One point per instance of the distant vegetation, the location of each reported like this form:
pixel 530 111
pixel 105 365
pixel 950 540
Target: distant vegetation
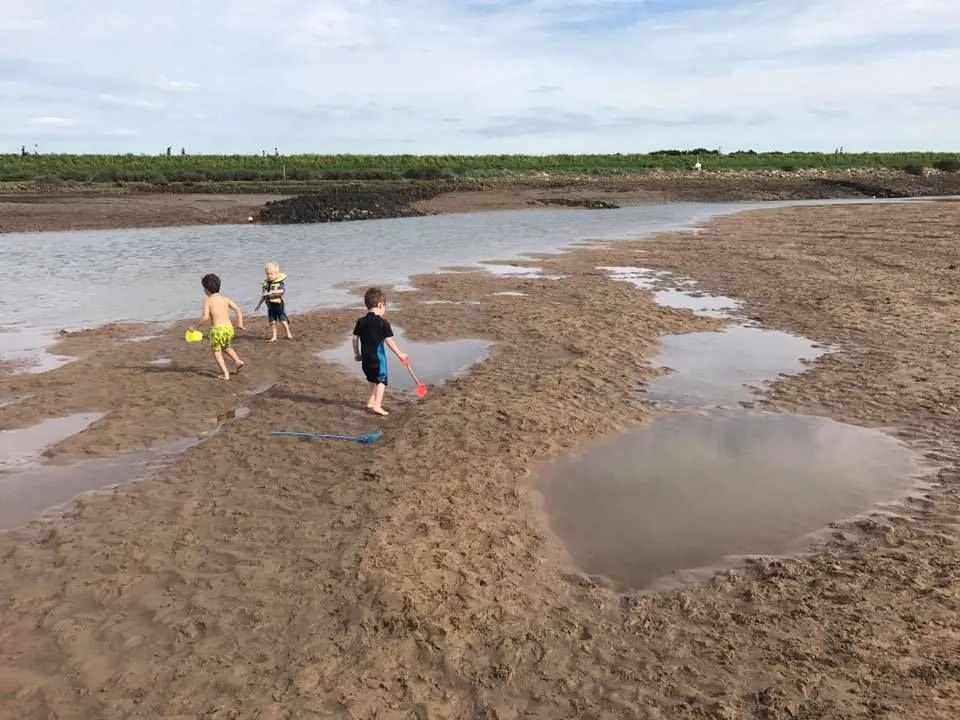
pixel 164 169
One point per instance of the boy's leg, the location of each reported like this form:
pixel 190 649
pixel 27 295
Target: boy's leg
pixel 218 356
pixel 378 399
pixel 372 400
pixel 286 326
pixel 273 331
pixel 236 358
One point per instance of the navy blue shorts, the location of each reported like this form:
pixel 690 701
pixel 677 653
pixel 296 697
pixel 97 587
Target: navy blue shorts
pixel 375 372
pixel 276 312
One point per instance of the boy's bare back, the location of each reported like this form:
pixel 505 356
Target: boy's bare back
pixel 218 307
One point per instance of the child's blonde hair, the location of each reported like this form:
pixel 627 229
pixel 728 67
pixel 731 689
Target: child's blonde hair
pixel 272 267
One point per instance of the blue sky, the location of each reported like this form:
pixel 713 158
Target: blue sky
pixel 478 76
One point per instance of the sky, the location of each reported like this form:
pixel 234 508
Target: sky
pixel 478 76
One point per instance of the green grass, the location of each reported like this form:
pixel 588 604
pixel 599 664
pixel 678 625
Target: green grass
pixel 160 169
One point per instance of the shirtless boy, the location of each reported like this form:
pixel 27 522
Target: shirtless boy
pixel 216 309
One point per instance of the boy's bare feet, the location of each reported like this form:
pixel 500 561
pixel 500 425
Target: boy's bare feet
pixel 378 410
pixel 223 377
pixel 272 340
pixel 239 367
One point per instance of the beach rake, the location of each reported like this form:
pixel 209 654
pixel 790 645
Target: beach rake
pixel 364 438
pixel 421 388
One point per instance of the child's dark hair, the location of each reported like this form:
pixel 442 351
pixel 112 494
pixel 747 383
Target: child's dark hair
pixel 211 283
pixel 373 297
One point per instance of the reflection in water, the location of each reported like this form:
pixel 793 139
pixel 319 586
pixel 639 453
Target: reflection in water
pixel 70 273
pixel 25 495
pixel 23 446
pixel 712 368
pixel 27 347
pixel 433 362
pixel 719 306
pixel 689 490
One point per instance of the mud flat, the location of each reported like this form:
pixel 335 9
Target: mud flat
pixel 419 576
pixel 28 208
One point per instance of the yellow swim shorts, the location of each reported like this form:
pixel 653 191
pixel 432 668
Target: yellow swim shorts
pixel 220 337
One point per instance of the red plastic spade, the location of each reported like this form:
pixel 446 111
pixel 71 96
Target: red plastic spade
pixel 421 388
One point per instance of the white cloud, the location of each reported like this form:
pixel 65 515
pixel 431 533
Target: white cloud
pixel 485 75
pixel 125 102
pixel 52 121
pixel 175 85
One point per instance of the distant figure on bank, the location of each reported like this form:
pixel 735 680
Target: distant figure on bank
pixel 216 309
pixel 371 333
pixel 274 291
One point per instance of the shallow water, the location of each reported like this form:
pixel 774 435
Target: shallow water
pixel 433 362
pixel 23 447
pixel 42 489
pixel 30 487
pixel 82 279
pixel 26 347
pixel 719 306
pixel 690 491
pixel 723 368
pixel 711 481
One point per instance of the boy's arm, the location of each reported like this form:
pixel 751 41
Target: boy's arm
pixel 356 342
pixel 396 351
pixel 236 308
pixel 205 313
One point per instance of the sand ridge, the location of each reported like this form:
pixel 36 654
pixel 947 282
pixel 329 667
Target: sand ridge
pixel 416 578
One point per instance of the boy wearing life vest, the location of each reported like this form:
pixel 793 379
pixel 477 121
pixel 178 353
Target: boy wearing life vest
pixel 274 290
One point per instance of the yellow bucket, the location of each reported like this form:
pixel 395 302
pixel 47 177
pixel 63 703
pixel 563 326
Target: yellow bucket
pixel 192 336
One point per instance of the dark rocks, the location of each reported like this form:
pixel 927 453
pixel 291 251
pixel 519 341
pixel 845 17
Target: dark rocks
pixel 868 189
pixel 341 203
pixel 576 202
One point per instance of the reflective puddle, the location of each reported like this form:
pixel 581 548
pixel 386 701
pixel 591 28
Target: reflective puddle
pixel 27 350
pixel 719 306
pixel 710 482
pixel 45 489
pixel 24 446
pixel 724 368
pixel 691 491
pixel 31 488
pixel 433 362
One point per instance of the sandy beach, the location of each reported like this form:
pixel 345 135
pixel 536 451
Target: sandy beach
pixel 418 577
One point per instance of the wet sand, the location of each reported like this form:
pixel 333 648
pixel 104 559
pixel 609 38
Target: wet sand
pixel 262 577
pixel 105 207
pixel 31 212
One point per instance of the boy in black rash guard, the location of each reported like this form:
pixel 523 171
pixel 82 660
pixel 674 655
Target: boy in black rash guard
pixel 371 333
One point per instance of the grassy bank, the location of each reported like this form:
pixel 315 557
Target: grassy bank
pixel 158 170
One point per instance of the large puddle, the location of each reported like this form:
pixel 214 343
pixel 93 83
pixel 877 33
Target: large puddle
pixel 433 362
pixel 23 447
pixel 682 296
pixel 693 491
pixel 709 482
pixel 724 367
pixel 32 488
pixel 45 489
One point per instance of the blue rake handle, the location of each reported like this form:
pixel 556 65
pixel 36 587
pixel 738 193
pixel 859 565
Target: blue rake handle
pixel 364 438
